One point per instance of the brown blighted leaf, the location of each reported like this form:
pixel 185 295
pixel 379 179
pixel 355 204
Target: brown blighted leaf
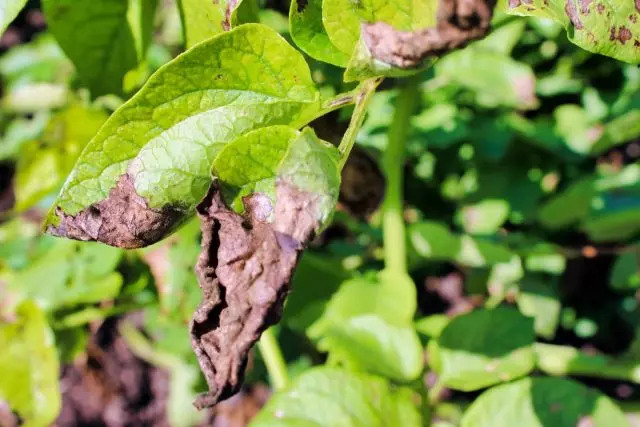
pixel 458 22
pixel 244 271
pixel 363 184
pixel 124 219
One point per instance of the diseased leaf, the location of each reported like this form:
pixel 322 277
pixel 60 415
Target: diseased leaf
pixel 247 261
pixel 9 9
pixel 542 402
pixel 150 164
pixel 331 397
pixel 308 32
pixel 29 366
pixel 607 27
pixel 44 165
pixel 483 348
pixel 202 19
pixel 369 343
pixel 103 38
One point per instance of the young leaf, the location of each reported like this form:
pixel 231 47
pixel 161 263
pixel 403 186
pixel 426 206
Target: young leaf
pixel 369 343
pixel 150 164
pixel 104 38
pixel 202 19
pixel 29 365
pixel 43 166
pixel 332 397
pixel 9 9
pixel 541 402
pixel 484 348
pixel 605 27
pixel 308 32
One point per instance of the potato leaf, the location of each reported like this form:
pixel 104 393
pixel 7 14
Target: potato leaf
pixel 104 39
pixel 604 26
pixel 150 164
pixel 29 365
pixel 9 9
pixel 327 397
pixel 539 402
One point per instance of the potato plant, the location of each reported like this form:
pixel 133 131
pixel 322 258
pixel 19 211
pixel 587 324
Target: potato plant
pixel 402 203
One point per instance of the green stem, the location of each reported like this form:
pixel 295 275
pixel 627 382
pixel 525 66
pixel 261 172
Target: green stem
pixel 563 360
pixel 273 359
pixel 362 99
pixel 395 254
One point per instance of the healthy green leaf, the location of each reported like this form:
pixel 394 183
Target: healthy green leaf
pixel 316 279
pixel 9 9
pixel 542 402
pixel 618 131
pixel 104 38
pixel 331 397
pixel 44 165
pixel 308 32
pixel 368 343
pixel 485 217
pixel 29 365
pixel 483 348
pixel 625 275
pixel 607 27
pixel 541 301
pixel 69 273
pixel 164 140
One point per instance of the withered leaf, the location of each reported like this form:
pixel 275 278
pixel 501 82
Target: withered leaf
pixel 244 271
pixel 248 259
pixel 458 23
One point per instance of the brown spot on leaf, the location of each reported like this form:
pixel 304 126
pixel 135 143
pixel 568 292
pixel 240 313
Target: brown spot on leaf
pixel 302 5
pixel 584 6
pixel 572 12
pixel 636 43
pixel 123 219
pixel 601 8
pixel 624 35
pixel 637 3
pixel 514 3
pixel 458 23
pixel 244 271
pixel 612 33
pixel 228 12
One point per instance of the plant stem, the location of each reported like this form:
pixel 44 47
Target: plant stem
pixel 395 256
pixel 362 98
pixel 273 359
pixel 563 360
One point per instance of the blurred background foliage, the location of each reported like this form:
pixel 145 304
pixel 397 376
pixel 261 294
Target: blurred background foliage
pixel 522 192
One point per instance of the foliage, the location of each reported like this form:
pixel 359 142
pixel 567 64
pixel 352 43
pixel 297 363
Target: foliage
pixel 503 258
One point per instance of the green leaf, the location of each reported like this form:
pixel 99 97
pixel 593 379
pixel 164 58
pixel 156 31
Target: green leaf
pixel 368 343
pixel 9 9
pixel 483 348
pixel 44 165
pixel 542 402
pixel 166 137
pixel 484 217
pixel 390 296
pixel 104 38
pixel 618 131
pixel 606 27
pixel 568 207
pixel 495 79
pixel 308 32
pixel 316 279
pixel 541 301
pixel 625 275
pixel 331 397
pixel 203 19
pixel 29 365
pixel 69 273
pixel 576 128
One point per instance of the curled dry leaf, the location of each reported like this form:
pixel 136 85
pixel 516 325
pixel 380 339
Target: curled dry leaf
pixel 458 22
pixel 244 271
